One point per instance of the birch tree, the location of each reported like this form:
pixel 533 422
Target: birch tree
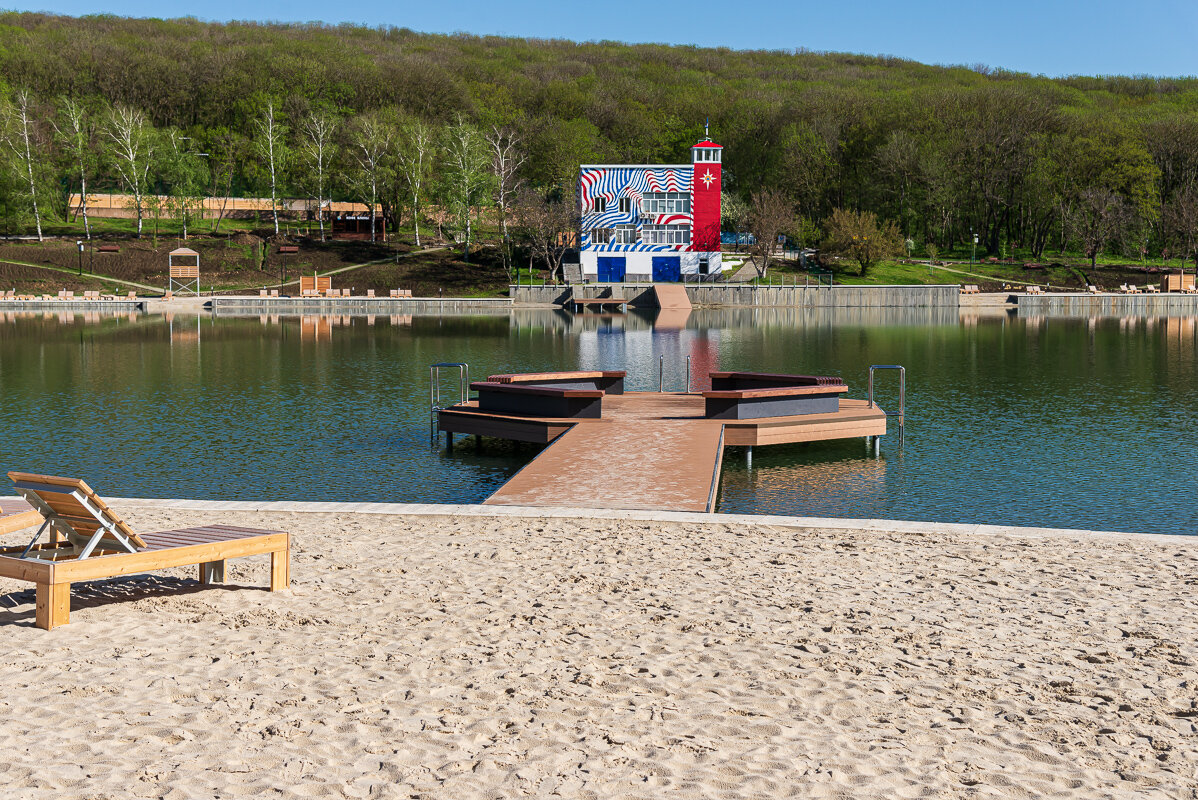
pixel 130 139
pixel 467 174
pixel 318 130
pixel 21 140
pixel 416 153
pixel 506 160
pixel 270 144
pixel 184 175
pixel 75 130
pixel 372 141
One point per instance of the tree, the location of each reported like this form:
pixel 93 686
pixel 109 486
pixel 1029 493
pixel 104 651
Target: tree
pixel 184 175
pixel 270 145
pixel 467 175
pixel 545 223
pixel 734 212
pixel 1181 221
pixel 506 159
pixel 1098 217
pixel 858 235
pixel 130 138
pixel 372 144
pixel 319 148
pixel 22 139
pixel 226 150
pixel 770 214
pixel 75 130
pixel 417 152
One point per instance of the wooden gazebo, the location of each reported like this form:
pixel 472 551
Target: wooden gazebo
pixel 184 266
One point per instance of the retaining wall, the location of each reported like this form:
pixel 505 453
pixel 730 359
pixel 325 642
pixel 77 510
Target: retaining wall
pixel 234 306
pixel 749 295
pixel 1097 305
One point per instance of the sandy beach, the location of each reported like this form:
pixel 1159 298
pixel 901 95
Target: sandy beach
pixel 475 657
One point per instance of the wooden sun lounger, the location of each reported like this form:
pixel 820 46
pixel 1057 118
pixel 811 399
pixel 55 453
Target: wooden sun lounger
pixel 89 541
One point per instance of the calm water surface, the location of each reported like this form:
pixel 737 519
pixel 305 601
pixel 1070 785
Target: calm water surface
pixel 1058 422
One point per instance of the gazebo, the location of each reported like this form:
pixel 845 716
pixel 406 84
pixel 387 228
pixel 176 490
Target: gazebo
pixel 184 265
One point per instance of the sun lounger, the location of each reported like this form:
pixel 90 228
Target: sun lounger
pixel 1093 289
pixel 370 293
pixel 89 541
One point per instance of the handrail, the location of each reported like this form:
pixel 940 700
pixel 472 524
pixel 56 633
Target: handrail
pixel 434 390
pixel 902 412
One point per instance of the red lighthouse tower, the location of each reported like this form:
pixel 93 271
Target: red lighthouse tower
pixel 705 196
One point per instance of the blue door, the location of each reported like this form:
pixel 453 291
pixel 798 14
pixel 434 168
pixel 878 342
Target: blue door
pixel 611 270
pixel 667 269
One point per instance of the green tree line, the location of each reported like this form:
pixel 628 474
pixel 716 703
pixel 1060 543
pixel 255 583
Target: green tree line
pixel 1088 164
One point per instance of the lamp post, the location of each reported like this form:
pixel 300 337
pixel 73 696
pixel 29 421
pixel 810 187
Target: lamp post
pixel 973 255
pixel 79 244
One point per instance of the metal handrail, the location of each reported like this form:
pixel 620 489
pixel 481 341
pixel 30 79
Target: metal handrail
pixel 434 390
pixel 902 412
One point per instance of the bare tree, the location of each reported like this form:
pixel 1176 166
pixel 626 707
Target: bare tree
pixel 546 225
pixel 131 140
pixel 1181 220
pixel 21 139
pixel 76 132
pixel 860 236
pixel 770 214
pixel 318 129
pixel 372 140
pixel 416 154
pixel 270 143
pixel 506 160
pixel 1098 217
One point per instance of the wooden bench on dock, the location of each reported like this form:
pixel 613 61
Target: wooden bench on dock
pixel 573 395
pixel 753 395
pixel 89 541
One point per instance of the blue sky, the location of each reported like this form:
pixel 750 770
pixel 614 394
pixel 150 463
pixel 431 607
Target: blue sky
pixel 1152 37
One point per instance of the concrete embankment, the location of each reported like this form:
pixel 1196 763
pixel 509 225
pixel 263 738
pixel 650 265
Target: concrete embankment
pixel 1098 305
pixel 749 295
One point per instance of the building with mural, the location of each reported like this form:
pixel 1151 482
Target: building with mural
pixel 651 222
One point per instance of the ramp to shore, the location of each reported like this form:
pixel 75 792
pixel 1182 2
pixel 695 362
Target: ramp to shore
pixel 671 295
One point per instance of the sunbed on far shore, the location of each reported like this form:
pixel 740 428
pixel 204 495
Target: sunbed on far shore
pixel 87 540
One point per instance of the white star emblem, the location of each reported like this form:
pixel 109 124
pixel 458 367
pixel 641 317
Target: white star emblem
pixel 707 178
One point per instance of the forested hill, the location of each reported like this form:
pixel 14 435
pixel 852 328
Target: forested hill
pixel 940 150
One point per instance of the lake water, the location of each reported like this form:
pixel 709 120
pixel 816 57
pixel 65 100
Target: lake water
pixel 1059 422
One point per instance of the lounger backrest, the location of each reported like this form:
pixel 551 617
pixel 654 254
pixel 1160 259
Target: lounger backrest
pixel 73 509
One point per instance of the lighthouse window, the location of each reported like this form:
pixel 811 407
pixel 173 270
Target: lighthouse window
pixel 667 202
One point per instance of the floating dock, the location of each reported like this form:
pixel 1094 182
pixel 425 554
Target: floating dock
pixel 647 450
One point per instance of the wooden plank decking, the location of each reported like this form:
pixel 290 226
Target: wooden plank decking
pixel 649 450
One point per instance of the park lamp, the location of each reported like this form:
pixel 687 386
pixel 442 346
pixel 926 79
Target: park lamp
pixel 79 244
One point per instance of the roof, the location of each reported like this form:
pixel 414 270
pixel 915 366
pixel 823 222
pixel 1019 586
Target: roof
pixel 707 143
pixel 183 251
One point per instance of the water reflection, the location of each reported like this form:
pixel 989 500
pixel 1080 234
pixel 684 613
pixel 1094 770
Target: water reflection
pixel 1045 419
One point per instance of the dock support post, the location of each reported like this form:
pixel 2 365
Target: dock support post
pixel 877 446
pixel 749 457
pixel 448 441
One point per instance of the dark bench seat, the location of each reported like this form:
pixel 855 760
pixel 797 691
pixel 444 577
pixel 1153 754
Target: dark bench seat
pixel 607 381
pixel 753 395
pixel 539 401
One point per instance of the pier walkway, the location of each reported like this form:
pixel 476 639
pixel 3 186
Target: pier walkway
pixel 648 450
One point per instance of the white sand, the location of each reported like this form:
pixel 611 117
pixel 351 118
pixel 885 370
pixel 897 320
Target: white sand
pixel 487 658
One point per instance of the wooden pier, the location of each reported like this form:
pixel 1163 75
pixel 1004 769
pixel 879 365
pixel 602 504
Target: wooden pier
pixel 646 450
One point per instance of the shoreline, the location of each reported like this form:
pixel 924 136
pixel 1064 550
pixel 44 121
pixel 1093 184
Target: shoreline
pixel 565 512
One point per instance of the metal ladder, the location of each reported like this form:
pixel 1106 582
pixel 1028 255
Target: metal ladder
pixel 902 412
pixel 434 393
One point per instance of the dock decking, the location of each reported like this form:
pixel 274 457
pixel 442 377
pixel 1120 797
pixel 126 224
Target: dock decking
pixel 648 450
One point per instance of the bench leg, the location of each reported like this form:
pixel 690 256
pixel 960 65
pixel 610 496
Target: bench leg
pixel 280 569
pixel 53 605
pixel 212 572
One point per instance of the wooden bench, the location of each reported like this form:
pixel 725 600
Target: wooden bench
pixel 288 249
pixel 969 288
pixel 108 248
pixel 401 292
pixel 753 395
pixel 538 401
pixel 89 541
pixel 606 381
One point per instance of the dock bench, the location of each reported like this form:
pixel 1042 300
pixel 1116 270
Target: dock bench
pixel 539 401
pixel 753 395
pixel 606 381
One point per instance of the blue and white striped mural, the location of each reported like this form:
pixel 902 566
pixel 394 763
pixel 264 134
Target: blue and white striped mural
pixel 612 183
